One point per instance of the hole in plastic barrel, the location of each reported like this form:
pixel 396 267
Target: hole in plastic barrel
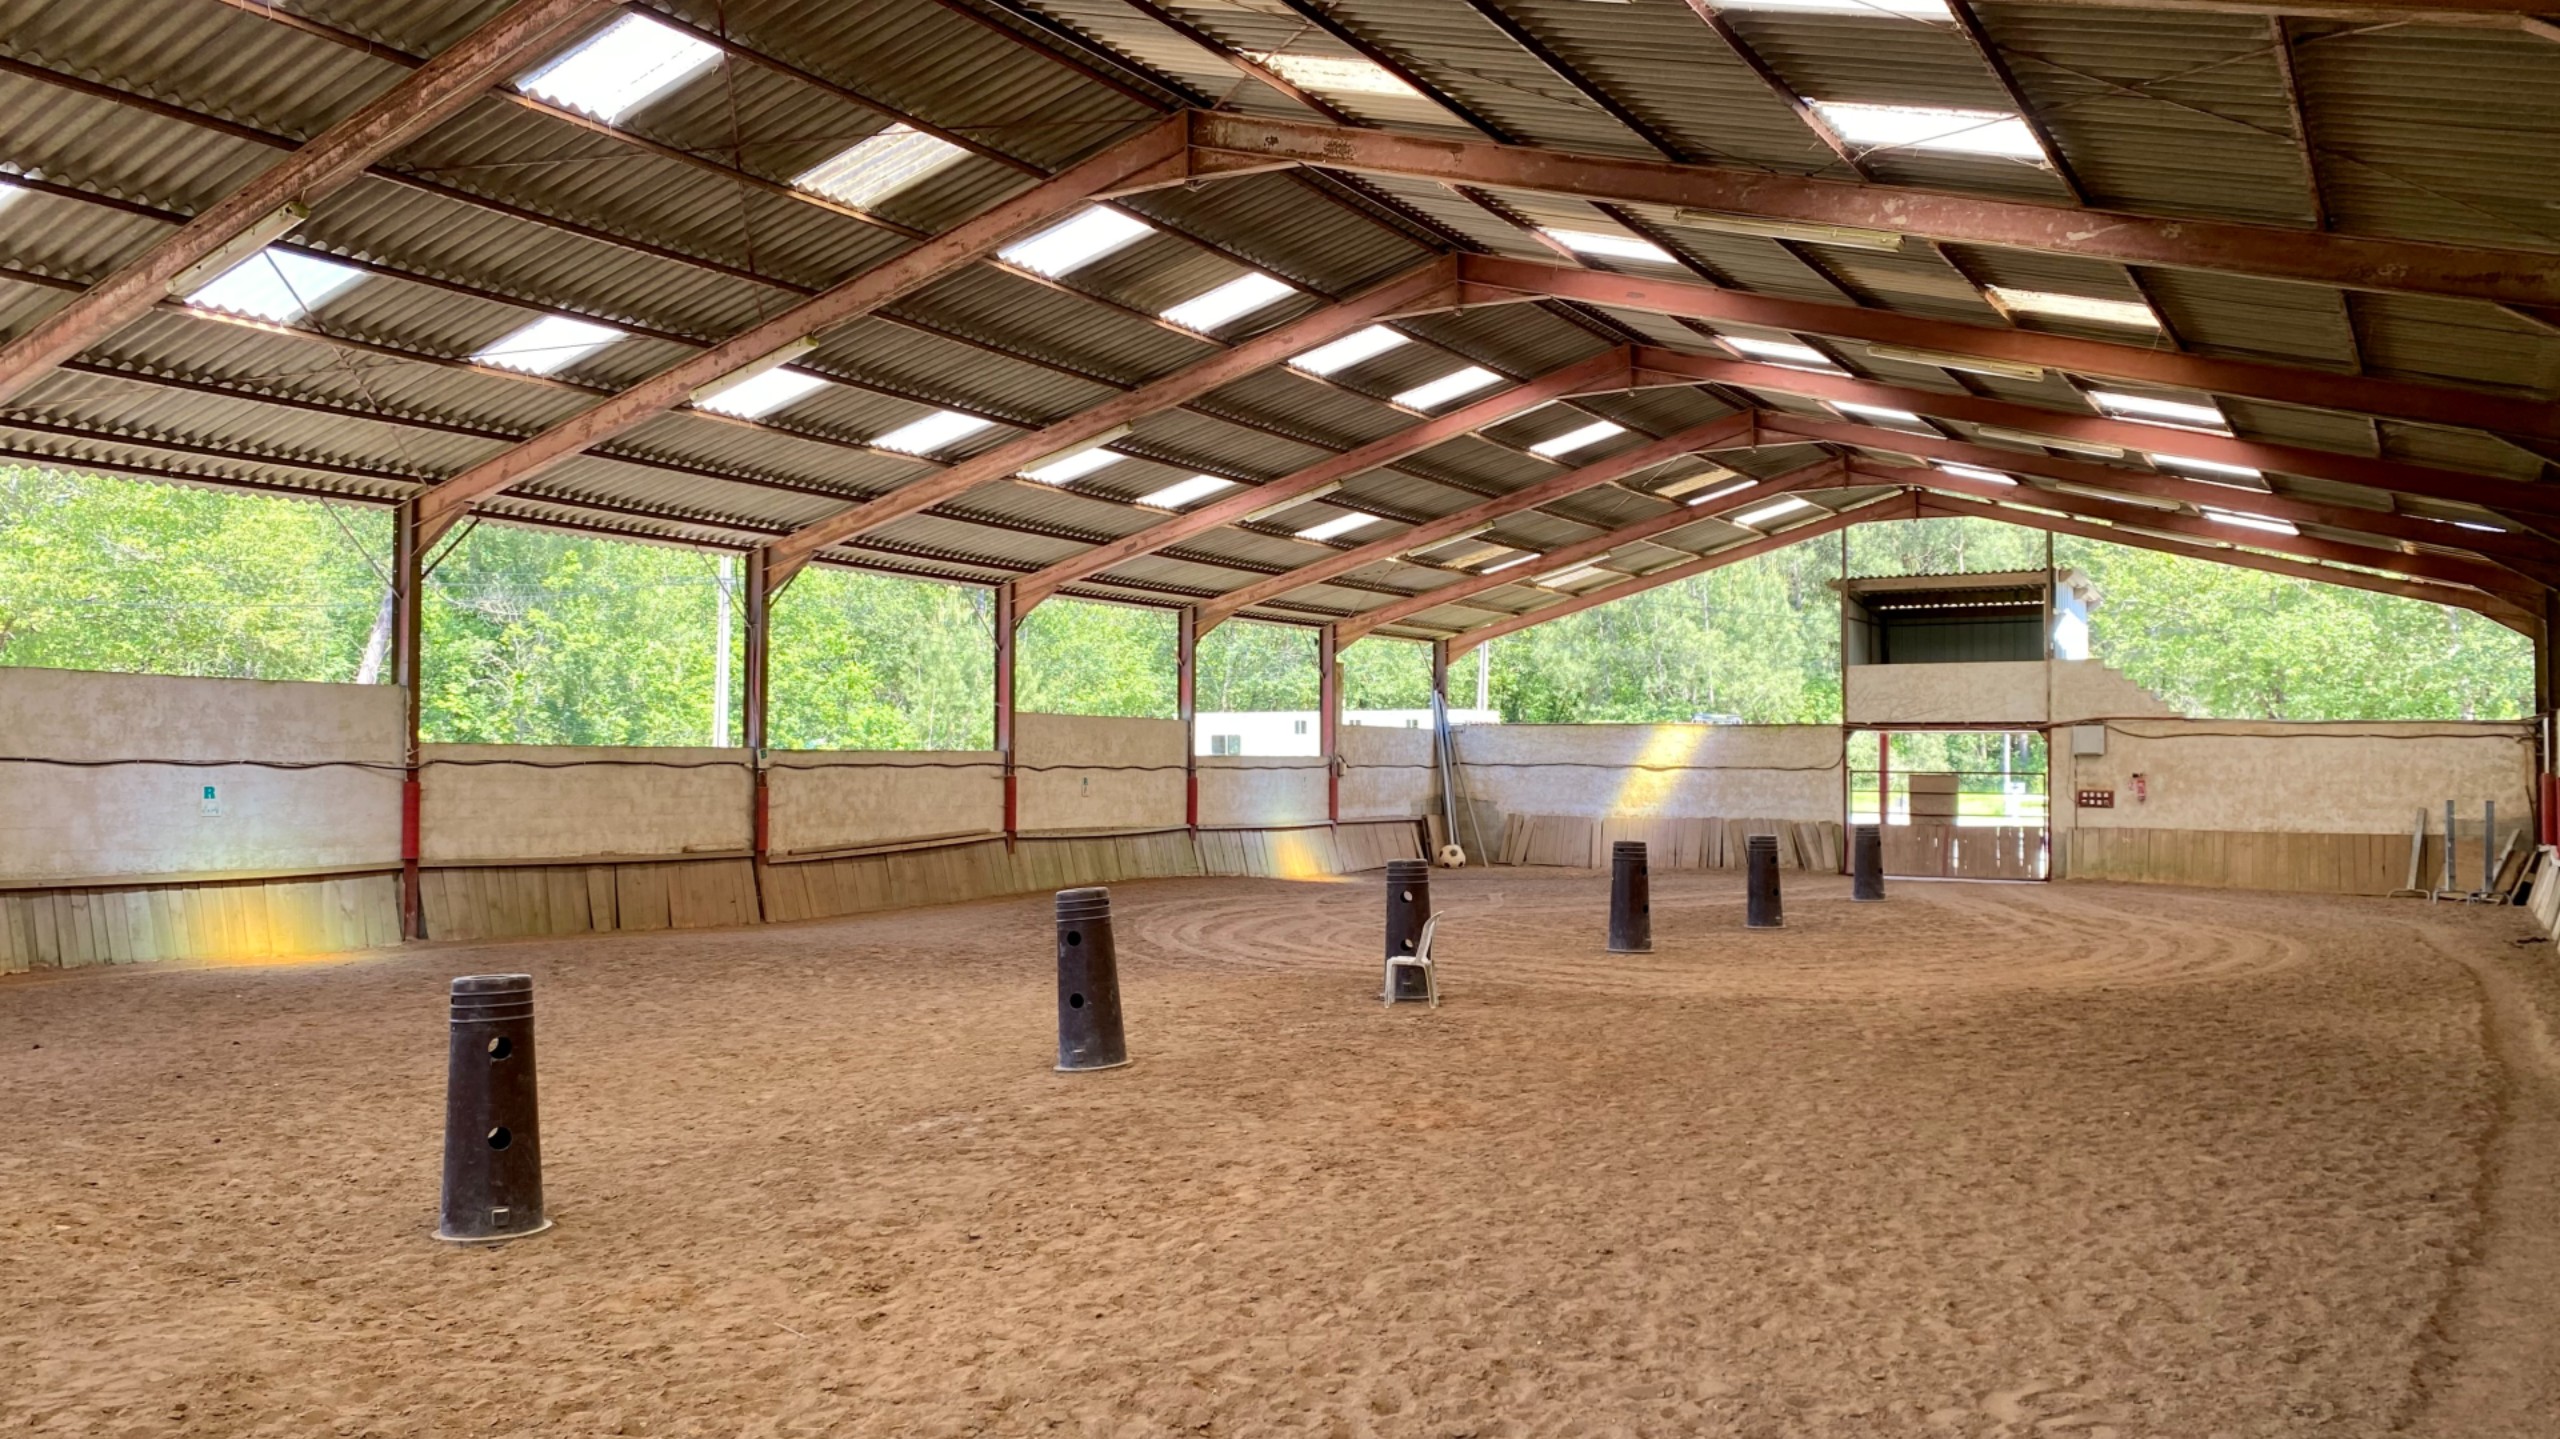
pixel 1075 1001
pixel 499 1138
pixel 500 1047
pixel 1075 936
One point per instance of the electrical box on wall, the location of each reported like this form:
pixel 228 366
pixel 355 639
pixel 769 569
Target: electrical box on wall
pixel 2097 799
pixel 2089 739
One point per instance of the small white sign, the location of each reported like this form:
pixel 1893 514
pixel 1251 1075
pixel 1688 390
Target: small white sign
pixel 211 805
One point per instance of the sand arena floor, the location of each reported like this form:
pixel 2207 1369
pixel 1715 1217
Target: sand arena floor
pixel 2016 1161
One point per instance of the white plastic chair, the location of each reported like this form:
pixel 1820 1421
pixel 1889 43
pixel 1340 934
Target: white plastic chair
pixel 1420 959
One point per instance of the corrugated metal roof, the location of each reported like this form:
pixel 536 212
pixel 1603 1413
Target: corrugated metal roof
pixel 503 213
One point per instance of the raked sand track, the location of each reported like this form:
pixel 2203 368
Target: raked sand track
pixel 1980 1161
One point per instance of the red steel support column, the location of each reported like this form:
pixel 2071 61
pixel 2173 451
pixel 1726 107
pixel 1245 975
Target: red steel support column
pixel 1329 726
pixel 1186 672
pixel 407 578
pixel 1884 777
pixel 1004 708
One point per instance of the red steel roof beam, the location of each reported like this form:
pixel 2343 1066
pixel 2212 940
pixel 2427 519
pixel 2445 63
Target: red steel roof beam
pixel 1225 143
pixel 2441 569
pixel 1727 430
pixel 1822 474
pixel 425 98
pixel 2526 552
pixel 1428 286
pixel 1954 507
pixel 849 300
pixel 1509 280
pixel 2128 435
pixel 1604 371
pixel 1466 640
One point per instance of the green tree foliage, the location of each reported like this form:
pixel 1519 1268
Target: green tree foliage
pixel 534 637
pixel 1941 547
pixel 865 661
pixel 1758 640
pixel 102 574
pixel 1250 666
pixel 1076 657
pixel 1394 675
pixel 2241 644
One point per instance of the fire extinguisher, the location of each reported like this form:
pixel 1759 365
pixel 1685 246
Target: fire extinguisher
pixel 2141 788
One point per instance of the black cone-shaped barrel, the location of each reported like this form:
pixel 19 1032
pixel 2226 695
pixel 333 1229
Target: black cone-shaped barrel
pixel 492 1128
pixel 1630 899
pixel 1866 862
pixel 1089 1034
pixel 1408 906
pixel 1760 899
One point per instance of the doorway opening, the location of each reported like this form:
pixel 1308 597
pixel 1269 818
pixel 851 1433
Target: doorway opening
pixel 1955 803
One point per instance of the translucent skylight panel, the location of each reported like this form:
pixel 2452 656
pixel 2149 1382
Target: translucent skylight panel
pixel 1075 467
pixel 1883 413
pixel 1974 472
pixel 1182 492
pixel 880 166
pixel 1572 440
pixel 936 431
pixel 548 345
pixel 1606 245
pixel 1509 564
pixel 9 193
pixel 2153 409
pixel 1337 75
pixel 2254 522
pixel 1432 394
pixel 2131 314
pixel 1897 9
pixel 1781 352
pixel 624 66
pixel 1233 300
pixel 1778 509
pixel 2207 469
pixel 754 399
pixel 1573 576
pixel 1920 127
pixel 1722 492
pixel 278 286
pixel 1338 525
pixel 1074 243
pixel 1350 350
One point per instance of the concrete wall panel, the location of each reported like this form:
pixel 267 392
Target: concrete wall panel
pixel 2344 778
pixel 1387 772
pixel 510 802
pixel 1087 772
pixel 845 799
pixel 60 822
pixel 1755 771
pixel 1262 789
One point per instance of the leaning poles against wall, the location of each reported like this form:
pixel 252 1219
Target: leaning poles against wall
pixel 407 640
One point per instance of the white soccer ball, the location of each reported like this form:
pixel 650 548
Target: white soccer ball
pixel 1452 857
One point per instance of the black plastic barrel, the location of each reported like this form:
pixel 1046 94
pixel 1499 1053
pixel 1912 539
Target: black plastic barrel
pixel 1408 908
pixel 1760 898
pixel 1089 1035
pixel 1866 862
pixel 492 1125
pixel 1630 899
